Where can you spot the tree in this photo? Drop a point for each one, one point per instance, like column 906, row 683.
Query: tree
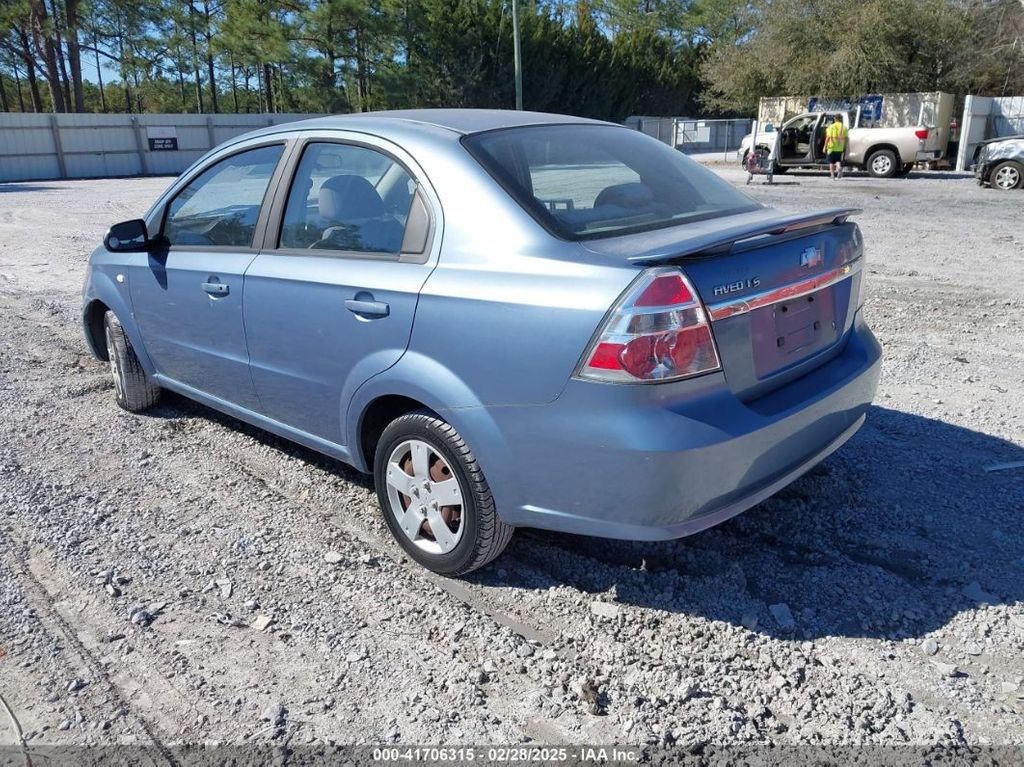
column 46, row 48
column 258, row 31
column 845, row 47
column 19, row 54
column 71, row 19
column 600, row 58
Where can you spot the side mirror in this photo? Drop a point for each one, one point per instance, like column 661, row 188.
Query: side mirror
column 127, row 236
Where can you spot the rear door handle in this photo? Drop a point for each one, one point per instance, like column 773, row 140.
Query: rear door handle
column 216, row 288
column 367, row 308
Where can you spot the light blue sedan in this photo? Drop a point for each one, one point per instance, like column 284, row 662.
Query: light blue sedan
column 511, row 319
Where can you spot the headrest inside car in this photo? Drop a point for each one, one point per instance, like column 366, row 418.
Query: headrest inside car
column 348, row 198
column 632, row 195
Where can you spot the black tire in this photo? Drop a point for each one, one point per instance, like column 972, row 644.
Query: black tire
column 883, row 163
column 132, row 387
column 1007, row 175
column 483, row 535
column 907, row 167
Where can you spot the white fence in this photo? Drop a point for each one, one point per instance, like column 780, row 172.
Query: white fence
column 53, row 146
column 987, row 117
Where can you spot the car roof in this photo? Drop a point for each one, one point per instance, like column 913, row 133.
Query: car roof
column 460, row 121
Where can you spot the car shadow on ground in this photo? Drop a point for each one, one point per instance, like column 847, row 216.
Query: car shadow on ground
column 891, row 537
column 173, row 406
column 895, row 534
column 23, row 187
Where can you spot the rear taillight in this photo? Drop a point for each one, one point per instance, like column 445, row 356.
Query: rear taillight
column 658, row 331
column 848, row 254
column 922, row 134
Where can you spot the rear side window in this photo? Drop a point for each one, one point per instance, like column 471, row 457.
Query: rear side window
column 221, row 205
column 347, row 198
column 588, row 181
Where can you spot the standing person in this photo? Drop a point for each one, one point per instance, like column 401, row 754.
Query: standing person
column 835, row 143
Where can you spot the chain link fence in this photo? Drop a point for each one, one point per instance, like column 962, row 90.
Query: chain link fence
column 714, row 139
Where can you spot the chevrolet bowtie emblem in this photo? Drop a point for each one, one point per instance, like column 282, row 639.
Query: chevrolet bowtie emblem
column 811, row 257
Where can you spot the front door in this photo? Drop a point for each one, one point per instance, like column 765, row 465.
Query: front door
column 818, row 142
column 330, row 301
column 187, row 299
column 796, row 139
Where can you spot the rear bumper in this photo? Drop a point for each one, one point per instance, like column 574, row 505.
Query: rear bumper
column 929, row 155
column 665, row 461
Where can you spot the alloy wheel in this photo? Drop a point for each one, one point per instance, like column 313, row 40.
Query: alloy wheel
column 881, row 165
column 115, row 366
column 1007, row 177
column 424, row 496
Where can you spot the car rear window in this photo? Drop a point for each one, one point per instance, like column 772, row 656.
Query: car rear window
column 590, row 181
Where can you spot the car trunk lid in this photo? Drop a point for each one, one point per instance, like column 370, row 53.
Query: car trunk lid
column 781, row 291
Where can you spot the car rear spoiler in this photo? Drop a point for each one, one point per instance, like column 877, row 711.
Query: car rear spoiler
column 721, row 240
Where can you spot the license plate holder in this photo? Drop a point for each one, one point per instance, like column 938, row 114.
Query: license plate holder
column 790, row 331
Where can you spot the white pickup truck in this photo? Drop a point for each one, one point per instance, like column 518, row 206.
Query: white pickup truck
column 882, row 152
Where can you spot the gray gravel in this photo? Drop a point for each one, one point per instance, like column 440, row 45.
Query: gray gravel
column 180, row 577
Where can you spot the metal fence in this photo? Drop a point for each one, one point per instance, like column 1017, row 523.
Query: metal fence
column 1007, row 117
column 55, row 146
column 988, row 117
column 695, row 136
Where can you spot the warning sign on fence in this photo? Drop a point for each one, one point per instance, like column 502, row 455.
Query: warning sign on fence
column 162, row 138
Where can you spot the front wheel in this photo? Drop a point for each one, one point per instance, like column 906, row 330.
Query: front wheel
column 434, row 496
column 1007, row 175
column 133, row 388
column 883, row 164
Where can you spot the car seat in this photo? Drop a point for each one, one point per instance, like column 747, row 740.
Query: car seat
column 356, row 217
column 631, row 195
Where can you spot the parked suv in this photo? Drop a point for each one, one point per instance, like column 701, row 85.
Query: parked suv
column 511, row 319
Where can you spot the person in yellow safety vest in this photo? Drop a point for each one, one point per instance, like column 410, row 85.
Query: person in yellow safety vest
column 835, row 143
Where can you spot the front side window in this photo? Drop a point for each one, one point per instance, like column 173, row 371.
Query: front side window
column 347, row 198
column 587, row 181
column 220, row 207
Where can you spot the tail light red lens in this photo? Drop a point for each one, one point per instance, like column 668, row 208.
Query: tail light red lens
column 667, row 290
column 922, row 134
column 658, row 331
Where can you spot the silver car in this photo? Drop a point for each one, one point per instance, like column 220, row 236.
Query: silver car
column 511, row 319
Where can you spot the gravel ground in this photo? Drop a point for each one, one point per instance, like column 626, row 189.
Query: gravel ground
column 181, row 578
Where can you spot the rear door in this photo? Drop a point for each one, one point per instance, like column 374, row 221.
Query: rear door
column 187, row 297
column 330, row 299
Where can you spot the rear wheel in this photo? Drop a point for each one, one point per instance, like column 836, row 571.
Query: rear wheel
column 883, row 164
column 133, row 388
column 435, row 499
column 1007, row 175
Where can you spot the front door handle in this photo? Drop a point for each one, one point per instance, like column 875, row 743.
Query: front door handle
column 365, row 308
column 216, row 288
